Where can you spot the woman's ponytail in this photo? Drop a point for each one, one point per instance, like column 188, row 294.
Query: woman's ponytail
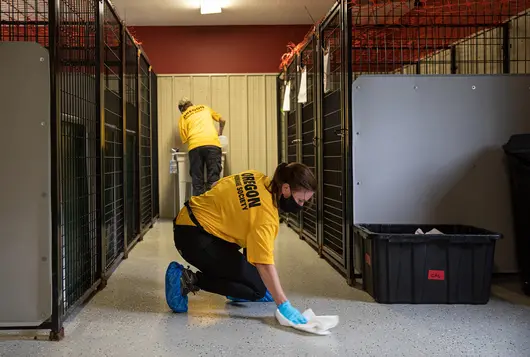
column 279, row 178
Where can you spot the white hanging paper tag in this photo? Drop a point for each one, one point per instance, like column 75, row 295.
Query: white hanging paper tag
column 287, row 98
column 302, row 93
column 327, row 70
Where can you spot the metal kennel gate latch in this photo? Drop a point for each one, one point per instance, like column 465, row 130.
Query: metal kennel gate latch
column 340, row 132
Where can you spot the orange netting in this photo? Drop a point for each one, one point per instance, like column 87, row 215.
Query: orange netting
column 387, row 34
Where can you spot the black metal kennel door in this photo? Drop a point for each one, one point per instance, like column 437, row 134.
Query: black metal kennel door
column 332, row 153
column 308, row 136
column 132, row 146
column 293, row 130
column 114, row 219
column 146, row 193
column 282, row 125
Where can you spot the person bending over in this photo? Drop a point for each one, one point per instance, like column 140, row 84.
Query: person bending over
column 240, row 211
column 196, row 127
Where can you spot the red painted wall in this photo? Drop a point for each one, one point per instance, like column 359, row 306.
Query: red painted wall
column 217, row 49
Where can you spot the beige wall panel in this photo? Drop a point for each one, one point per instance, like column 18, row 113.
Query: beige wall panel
column 410, row 69
column 443, row 60
column 238, row 125
column 439, row 63
column 481, row 54
column 520, row 45
column 166, row 140
column 200, row 88
column 272, row 124
column 220, row 92
column 181, row 88
column 257, row 123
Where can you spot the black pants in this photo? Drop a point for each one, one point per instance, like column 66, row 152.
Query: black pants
column 222, row 268
column 209, row 156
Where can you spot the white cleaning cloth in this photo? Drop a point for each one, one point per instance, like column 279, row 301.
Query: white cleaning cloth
column 319, row 325
column 432, row 231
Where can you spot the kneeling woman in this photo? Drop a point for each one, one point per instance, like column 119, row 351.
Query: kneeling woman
column 240, row 211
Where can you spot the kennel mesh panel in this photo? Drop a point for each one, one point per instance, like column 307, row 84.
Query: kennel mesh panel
column 308, row 134
column 114, row 198
column 146, row 194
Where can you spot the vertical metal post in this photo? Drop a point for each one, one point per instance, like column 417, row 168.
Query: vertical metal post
column 299, row 132
column 506, row 48
column 100, row 108
column 316, row 104
column 57, row 331
column 297, row 63
column 418, row 67
column 279, row 106
column 156, row 162
column 454, row 67
column 319, row 87
column 346, row 25
column 151, row 145
column 126, row 183
column 139, row 138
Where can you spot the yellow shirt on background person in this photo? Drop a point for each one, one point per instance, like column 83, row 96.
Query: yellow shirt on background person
column 197, row 128
column 239, row 209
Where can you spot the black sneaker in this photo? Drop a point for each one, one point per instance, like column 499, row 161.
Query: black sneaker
column 188, row 280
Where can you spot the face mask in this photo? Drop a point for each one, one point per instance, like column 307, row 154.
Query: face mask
column 289, row 205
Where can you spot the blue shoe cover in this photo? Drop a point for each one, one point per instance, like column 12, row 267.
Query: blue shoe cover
column 266, row 298
column 176, row 302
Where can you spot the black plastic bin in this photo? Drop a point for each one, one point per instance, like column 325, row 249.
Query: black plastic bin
column 518, row 154
column 401, row 267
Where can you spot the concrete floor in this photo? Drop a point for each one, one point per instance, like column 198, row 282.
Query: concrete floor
column 130, row 317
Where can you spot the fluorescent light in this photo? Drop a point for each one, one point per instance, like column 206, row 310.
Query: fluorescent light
column 210, row 7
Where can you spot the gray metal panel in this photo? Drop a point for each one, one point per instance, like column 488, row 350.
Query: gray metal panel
column 429, row 150
column 25, row 218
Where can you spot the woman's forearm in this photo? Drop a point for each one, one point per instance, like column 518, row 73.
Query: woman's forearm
column 222, row 123
column 270, row 278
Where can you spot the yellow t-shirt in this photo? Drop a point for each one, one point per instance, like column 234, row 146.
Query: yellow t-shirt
column 239, row 209
column 196, row 127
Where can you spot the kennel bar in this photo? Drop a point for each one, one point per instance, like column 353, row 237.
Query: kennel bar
column 293, row 140
column 281, row 125
column 131, row 141
column 146, row 203
column 154, row 123
column 334, row 133
column 308, row 135
column 112, row 89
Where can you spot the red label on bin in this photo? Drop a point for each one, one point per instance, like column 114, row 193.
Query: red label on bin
column 367, row 259
column 436, row 275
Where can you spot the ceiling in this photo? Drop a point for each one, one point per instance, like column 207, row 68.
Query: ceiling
column 235, row 12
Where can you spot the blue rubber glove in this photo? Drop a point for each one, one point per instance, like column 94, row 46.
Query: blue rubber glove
column 292, row 314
